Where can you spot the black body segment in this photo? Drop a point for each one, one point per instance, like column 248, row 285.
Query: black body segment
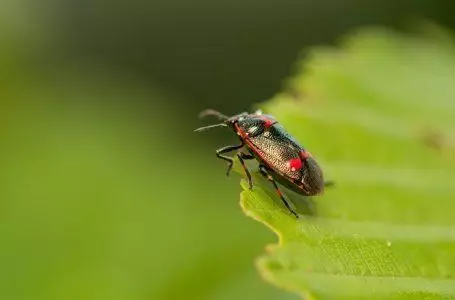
column 281, row 158
column 275, row 150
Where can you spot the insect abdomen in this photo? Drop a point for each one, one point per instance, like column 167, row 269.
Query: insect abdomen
column 313, row 178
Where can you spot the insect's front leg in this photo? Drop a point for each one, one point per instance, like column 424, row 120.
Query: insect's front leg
column 230, row 160
column 269, row 177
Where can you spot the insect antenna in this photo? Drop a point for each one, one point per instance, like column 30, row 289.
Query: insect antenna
column 211, row 112
column 209, row 127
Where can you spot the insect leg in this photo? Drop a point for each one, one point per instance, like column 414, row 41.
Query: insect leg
column 264, row 173
column 242, row 156
column 246, row 156
column 230, row 160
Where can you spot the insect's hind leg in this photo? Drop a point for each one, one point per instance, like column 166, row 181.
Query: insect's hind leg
column 269, row 177
column 230, row 160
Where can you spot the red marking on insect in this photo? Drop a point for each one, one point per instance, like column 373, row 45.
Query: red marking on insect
column 279, row 193
column 305, row 154
column 241, row 132
column 295, row 164
column 267, row 122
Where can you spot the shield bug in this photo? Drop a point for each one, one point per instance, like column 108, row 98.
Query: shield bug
column 281, row 158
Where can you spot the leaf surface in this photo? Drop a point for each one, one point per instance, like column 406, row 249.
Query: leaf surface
column 378, row 114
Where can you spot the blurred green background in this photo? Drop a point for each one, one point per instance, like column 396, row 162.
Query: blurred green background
column 105, row 192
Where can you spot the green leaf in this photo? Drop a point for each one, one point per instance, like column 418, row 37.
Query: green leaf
column 378, row 114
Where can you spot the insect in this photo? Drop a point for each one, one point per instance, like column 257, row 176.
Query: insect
column 281, row 158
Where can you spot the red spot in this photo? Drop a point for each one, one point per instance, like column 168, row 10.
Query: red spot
column 268, row 122
column 295, row 164
column 279, row 193
column 305, row 154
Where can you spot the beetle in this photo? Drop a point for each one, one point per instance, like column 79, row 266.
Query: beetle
column 281, row 158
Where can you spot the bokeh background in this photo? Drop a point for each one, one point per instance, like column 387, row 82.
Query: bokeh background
column 105, row 191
